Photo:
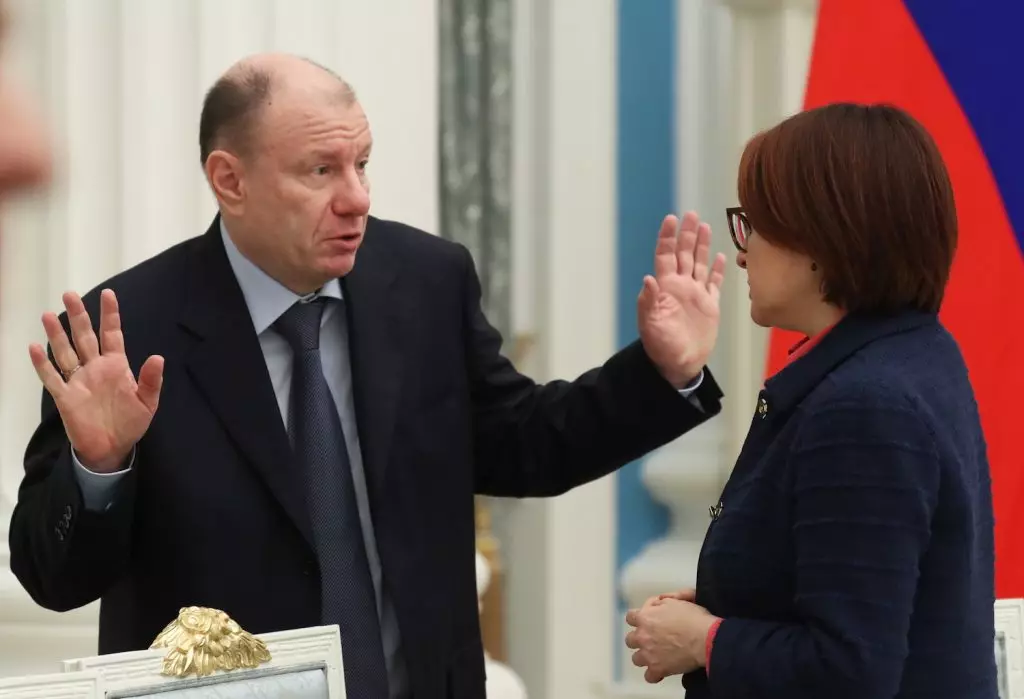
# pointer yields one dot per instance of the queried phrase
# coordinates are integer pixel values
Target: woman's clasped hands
(669, 635)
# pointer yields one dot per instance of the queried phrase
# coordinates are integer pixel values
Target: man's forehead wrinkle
(314, 134)
(304, 117)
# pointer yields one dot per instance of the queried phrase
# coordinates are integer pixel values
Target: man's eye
(321, 169)
(363, 164)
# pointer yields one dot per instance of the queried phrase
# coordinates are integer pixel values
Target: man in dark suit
(322, 425)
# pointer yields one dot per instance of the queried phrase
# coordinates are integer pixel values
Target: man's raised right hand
(104, 409)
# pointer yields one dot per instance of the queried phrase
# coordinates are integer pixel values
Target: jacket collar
(228, 365)
(789, 386)
(266, 298)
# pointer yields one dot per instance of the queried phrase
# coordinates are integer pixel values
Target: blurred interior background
(549, 136)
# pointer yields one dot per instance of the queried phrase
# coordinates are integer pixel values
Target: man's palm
(678, 308)
(104, 409)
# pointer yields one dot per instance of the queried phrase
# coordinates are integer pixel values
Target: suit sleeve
(865, 489)
(534, 440)
(64, 554)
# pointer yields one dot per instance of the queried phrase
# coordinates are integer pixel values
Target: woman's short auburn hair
(863, 191)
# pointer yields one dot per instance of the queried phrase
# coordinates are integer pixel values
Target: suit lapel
(229, 368)
(374, 317)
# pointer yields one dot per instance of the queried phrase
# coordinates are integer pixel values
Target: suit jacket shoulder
(421, 256)
(888, 373)
(150, 290)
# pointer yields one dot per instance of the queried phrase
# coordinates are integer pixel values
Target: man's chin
(340, 265)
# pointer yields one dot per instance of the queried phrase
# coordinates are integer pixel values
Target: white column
(771, 48)
(559, 552)
(502, 681)
(685, 475)
(122, 83)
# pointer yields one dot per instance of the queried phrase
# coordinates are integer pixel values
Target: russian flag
(957, 66)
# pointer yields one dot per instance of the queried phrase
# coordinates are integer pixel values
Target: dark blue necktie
(347, 595)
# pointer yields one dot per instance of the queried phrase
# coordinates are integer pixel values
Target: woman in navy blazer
(851, 553)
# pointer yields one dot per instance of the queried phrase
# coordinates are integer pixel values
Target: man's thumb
(648, 294)
(151, 378)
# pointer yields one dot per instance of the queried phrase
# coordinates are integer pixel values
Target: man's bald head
(234, 104)
(285, 149)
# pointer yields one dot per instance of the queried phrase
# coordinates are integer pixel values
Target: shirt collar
(265, 297)
(807, 344)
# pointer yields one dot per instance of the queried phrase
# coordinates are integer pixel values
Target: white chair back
(300, 664)
(79, 685)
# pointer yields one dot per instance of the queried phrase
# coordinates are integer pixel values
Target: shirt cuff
(689, 389)
(708, 643)
(98, 488)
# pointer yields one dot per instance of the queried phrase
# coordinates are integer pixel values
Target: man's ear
(226, 176)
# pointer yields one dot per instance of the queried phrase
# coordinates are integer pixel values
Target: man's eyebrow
(322, 154)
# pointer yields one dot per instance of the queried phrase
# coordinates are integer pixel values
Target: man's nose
(353, 198)
(741, 260)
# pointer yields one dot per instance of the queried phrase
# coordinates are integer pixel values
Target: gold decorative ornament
(202, 641)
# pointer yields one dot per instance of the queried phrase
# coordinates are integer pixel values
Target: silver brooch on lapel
(715, 511)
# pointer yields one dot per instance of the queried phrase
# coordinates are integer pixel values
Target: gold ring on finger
(71, 372)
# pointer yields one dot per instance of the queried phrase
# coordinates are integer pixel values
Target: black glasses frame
(736, 212)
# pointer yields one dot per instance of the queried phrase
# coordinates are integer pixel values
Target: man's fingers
(86, 344)
(702, 253)
(111, 337)
(151, 378)
(63, 353)
(665, 249)
(45, 370)
(631, 640)
(717, 275)
(687, 244)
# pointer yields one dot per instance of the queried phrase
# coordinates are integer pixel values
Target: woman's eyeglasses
(739, 227)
